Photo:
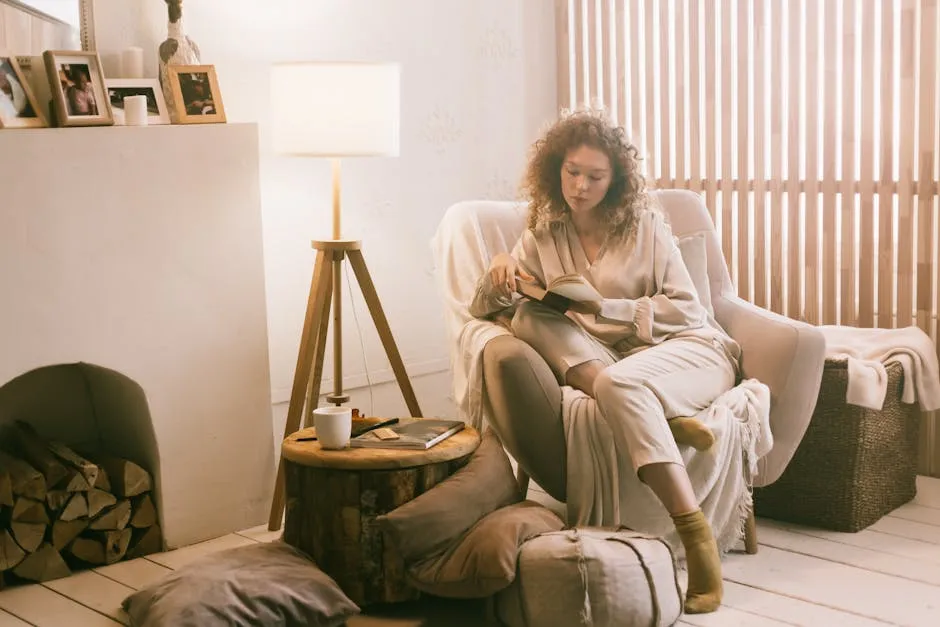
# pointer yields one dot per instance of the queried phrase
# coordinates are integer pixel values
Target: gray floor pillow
(483, 561)
(270, 584)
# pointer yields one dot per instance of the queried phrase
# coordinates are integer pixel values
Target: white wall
(478, 83)
(144, 256)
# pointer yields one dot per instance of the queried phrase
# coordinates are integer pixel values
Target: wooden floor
(888, 574)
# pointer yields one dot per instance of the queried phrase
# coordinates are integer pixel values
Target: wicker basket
(853, 466)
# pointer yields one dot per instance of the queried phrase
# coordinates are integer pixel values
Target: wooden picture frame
(119, 88)
(76, 83)
(191, 105)
(18, 105)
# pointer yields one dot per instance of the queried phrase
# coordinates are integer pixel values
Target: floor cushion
(271, 584)
(593, 576)
(483, 561)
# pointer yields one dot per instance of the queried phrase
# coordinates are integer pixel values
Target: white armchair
(525, 398)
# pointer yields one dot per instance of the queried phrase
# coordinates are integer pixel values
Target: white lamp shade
(335, 109)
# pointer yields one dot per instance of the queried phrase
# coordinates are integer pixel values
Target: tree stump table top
(309, 452)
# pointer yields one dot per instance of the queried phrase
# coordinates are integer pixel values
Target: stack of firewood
(61, 511)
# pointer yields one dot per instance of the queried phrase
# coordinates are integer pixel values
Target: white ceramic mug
(333, 425)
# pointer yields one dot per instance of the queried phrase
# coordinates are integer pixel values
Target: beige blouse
(648, 294)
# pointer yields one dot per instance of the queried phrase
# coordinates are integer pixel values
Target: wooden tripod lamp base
(334, 109)
(324, 290)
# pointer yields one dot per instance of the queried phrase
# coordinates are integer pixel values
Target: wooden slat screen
(811, 127)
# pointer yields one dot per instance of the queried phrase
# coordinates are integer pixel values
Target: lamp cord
(362, 344)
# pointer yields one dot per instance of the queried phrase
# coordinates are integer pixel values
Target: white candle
(132, 62)
(135, 110)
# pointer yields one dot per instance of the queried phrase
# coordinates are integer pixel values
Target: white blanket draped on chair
(603, 490)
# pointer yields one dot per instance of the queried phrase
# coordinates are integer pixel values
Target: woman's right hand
(503, 271)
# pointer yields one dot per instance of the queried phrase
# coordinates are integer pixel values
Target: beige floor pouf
(594, 578)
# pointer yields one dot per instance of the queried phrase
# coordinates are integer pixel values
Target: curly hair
(541, 186)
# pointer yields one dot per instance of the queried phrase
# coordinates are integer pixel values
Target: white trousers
(638, 393)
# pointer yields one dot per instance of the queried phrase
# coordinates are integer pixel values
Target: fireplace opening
(79, 473)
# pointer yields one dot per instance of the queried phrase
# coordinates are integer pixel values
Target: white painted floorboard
(888, 574)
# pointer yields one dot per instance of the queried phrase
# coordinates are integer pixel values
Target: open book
(572, 287)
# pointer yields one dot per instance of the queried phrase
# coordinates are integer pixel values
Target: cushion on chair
(430, 523)
(694, 254)
(598, 577)
(260, 584)
(483, 561)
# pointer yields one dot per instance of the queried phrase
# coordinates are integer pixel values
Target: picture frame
(119, 88)
(76, 83)
(18, 105)
(195, 94)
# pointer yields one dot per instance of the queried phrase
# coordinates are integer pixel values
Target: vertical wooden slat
(710, 20)
(620, 44)
(607, 61)
(830, 134)
(795, 237)
(886, 278)
(849, 148)
(652, 114)
(665, 100)
(927, 149)
(636, 75)
(906, 234)
(869, 93)
(680, 84)
(580, 80)
(695, 111)
(744, 249)
(727, 148)
(761, 298)
(563, 52)
(810, 227)
(590, 40)
(778, 265)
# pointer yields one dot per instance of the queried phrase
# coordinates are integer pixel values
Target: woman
(648, 353)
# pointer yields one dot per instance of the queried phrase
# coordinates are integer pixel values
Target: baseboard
(359, 380)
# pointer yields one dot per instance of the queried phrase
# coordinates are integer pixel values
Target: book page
(575, 287)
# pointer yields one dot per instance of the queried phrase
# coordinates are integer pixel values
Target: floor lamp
(334, 110)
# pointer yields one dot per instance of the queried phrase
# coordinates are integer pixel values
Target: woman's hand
(503, 271)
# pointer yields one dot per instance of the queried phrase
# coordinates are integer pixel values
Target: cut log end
(100, 548)
(113, 518)
(145, 514)
(43, 565)
(145, 542)
(10, 552)
(28, 535)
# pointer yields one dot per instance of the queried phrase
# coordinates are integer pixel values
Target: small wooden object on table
(334, 498)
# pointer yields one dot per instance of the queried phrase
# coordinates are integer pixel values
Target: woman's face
(585, 178)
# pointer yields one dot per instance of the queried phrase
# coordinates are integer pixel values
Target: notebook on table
(413, 433)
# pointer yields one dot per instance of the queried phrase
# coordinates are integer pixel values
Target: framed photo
(196, 96)
(76, 83)
(120, 88)
(18, 106)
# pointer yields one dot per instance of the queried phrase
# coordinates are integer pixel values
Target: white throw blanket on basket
(603, 490)
(868, 350)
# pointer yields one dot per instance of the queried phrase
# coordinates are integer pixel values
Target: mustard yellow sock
(704, 564)
(692, 432)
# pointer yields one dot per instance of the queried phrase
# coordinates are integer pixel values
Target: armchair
(524, 397)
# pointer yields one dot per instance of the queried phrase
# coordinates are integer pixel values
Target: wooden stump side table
(334, 498)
